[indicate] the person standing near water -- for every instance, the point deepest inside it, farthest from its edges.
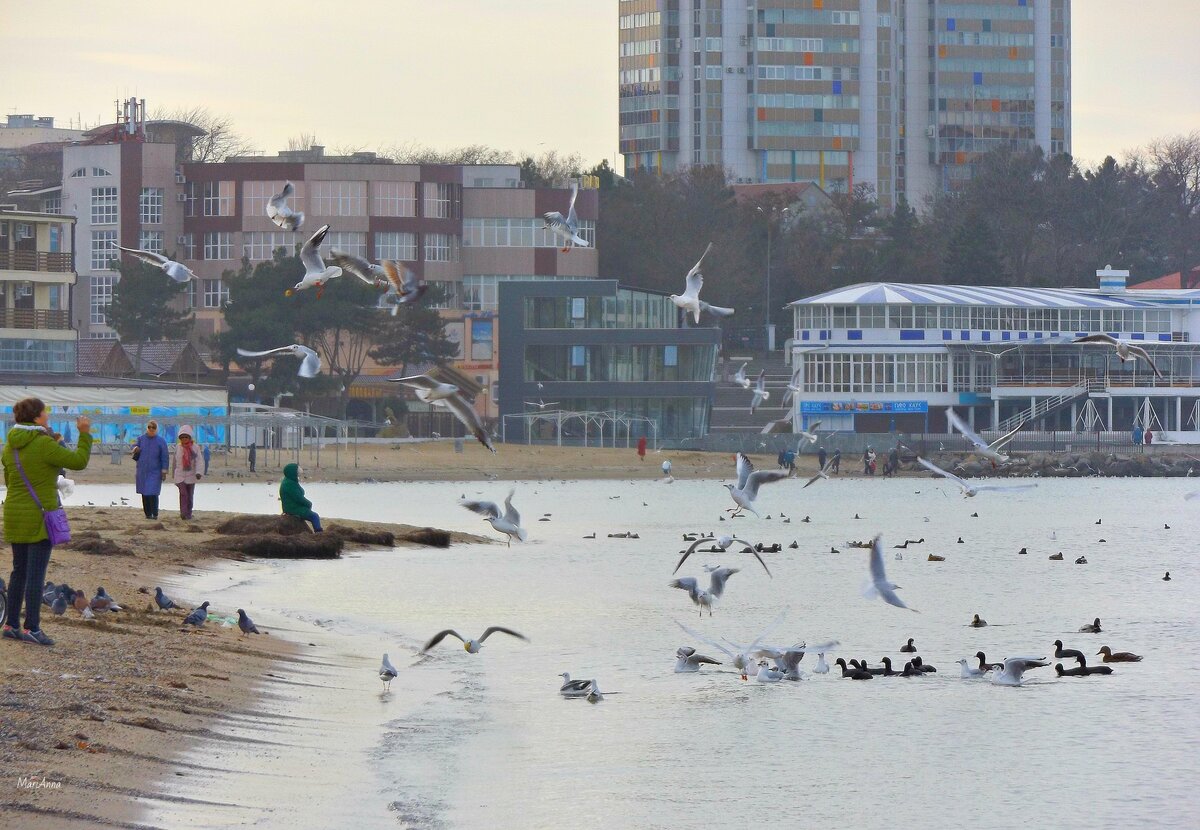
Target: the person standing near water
(153, 460)
(642, 448)
(837, 462)
(32, 459)
(207, 456)
(186, 469)
(252, 455)
(291, 496)
(821, 458)
(1137, 435)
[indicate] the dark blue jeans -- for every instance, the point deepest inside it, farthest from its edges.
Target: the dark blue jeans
(28, 576)
(315, 519)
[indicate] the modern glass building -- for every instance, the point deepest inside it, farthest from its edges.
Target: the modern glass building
(882, 357)
(903, 94)
(592, 345)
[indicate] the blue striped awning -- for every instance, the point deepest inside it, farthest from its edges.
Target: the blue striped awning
(896, 293)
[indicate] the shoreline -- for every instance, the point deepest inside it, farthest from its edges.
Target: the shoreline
(107, 716)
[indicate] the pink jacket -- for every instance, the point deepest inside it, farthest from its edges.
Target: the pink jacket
(179, 474)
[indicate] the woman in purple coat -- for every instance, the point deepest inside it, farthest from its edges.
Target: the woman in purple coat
(153, 460)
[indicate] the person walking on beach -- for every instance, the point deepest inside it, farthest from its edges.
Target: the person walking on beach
(1149, 437)
(207, 456)
(642, 448)
(32, 460)
(291, 495)
(821, 458)
(252, 455)
(185, 468)
(153, 460)
(1137, 435)
(837, 462)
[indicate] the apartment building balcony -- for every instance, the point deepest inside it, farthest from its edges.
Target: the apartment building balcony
(35, 319)
(55, 262)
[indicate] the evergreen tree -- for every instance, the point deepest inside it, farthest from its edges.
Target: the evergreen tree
(144, 307)
(972, 254)
(414, 337)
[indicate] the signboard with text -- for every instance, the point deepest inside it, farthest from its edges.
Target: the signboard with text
(849, 407)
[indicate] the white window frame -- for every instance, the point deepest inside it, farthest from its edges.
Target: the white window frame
(218, 198)
(338, 198)
(106, 206)
(440, 247)
(103, 250)
(150, 205)
(348, 242)
(100, 294)
(394, 198)
(259, 246)
(218, 245)
(216, 293)
(151, 241)
(397, 245)
(437, 200)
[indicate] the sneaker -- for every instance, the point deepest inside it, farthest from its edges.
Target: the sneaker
(38, 637)
(10, 633)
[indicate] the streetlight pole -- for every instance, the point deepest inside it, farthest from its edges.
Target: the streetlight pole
(770, 217)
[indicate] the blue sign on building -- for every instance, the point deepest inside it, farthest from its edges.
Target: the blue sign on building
(850, 407)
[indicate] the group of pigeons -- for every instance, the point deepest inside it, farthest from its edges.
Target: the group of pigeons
(62, 596)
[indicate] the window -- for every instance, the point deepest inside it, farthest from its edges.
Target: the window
(517, 233)
(100, 171)
(218, 245)
(190, 293)
(191, 199)
(78, 173)
(151, 241)
(444, 294)
(218, 198)
(187, 245)
(442, 200)
(216, 293)
(481, 340)
(338, 198)
(349, 242)
(394, 198)
(441, 247)
(260, 247)
(101, 293)
(104, 206)
(150, 206)
(52, 204)
(103, 250)
(396, 245)
(255, 196)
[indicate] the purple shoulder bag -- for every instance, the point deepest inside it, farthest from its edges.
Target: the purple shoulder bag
(57, 529)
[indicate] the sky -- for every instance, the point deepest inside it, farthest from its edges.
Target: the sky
(513, 74)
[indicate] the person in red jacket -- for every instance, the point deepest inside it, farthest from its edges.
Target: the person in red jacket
(642, 448)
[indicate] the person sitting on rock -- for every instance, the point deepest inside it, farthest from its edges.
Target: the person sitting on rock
(291, 494)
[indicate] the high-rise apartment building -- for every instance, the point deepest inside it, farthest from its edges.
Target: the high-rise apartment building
(903, 94)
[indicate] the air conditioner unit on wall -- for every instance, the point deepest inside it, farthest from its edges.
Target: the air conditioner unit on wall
(183, 239)
(179, 178)
(182, 197)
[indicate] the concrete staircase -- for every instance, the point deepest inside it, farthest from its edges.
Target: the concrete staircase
(731, 403)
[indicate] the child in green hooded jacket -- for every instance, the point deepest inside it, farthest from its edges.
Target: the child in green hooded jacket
(291, 494)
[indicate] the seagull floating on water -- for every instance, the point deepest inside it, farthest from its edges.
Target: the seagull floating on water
(687, 660)
(1014, 668)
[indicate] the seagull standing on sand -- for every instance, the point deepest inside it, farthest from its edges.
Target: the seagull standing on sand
(401, 286)
(1014, 668)
(451, 397)
(687, 660)
(1126, 351)
(471, 646)
(749, 480)
(282, 215)
(387, 672)
(566, 227)
(176, 271)
(315, 271)
(690, 300)
(878, 585)
(310, 361)
(989, 451)
(760, 391)
(508, 522)
(970, 490)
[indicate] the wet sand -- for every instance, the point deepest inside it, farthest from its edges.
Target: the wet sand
(105, 718)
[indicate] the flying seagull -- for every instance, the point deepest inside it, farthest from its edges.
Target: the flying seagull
(451, 397)
(700, 597)
(471, 646)
(508, 522)
(760, 391)
(740, 377)
(749, 480)
(1125, 350)
(879, 585)
(401, 285)
(174, 270)
(540, 404)
(428, 389)
(566, 228)
(990, 451)
(315, 271)
(690, 300)
(387, 672)
(968, 489)
(310, 363)
(723, 543)
(809, 435)
(687, 660)
(821, 473)
(1014, 667)
(282, 215)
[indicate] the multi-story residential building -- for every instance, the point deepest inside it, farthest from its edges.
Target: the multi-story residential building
(902, 94)
(36, 275)
(595, 346)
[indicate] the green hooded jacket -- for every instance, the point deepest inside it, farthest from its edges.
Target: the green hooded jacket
(42, 457)
(292, 494)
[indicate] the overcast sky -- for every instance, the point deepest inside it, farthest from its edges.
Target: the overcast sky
(513, 74)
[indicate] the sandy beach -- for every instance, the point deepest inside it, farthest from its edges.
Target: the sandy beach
(104, 716)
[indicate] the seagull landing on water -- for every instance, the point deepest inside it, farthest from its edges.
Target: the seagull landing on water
(724, 543)
(879, 585)
(969, 490)
(740, 377)
(315, 271)
(566, 227)
(743, 658)
(508, 522)
(1126, 351)
(451, 397)
(745, 491)
(701, 598)
(310, 363)
(687, 660)
(689, 301)
(387, 672)
(989, 451)
(471, 646)
(176, 271)
(1014, 668)
(282, 215)
(400, 285)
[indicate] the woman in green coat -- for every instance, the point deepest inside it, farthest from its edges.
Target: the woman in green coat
(41, 456)
(291, 495)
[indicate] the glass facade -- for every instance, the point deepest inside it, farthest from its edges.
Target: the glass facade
(875, 372)
(627, 310)
(619, 363)
(677, 418)
(984, 318)
(37, 355)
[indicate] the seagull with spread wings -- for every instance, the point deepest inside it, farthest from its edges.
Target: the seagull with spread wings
(451, 397)
(723, 543)
(1126, 351)
(566, 227)
(970, 490)
(740, 377)
(990, 451)
(471, 646)
(315, 271)
(878, 585)
(760, 391)
(690, 300)
(745, 492)
(508, 522)
(282, 215)
(401, 286)
(310, 363)
(700, 597)
(175, 270)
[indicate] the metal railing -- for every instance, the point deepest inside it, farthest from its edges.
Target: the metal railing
(1044, 406)
(34, 318)
(55, 261)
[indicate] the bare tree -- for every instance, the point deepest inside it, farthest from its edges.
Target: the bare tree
(414, 153)
(302, 142)
(220, 140)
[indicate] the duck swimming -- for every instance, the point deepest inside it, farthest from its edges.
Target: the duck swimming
(922, 666)
(1078, 671)
(984, 665)
(977, 622)
(855, 673)
(1094, 628)
(1064, 653)
(908, 648)
(1119, 657)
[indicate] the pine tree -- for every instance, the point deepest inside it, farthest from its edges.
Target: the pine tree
(414, 337)
(143, 307)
